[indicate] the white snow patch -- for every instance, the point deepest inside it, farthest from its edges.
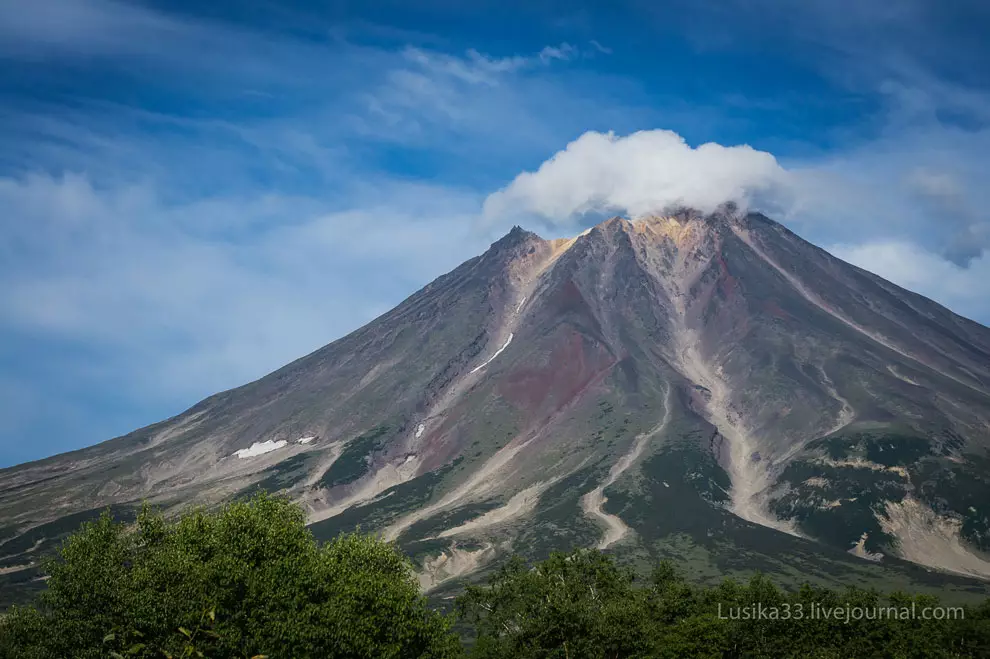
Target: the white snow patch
(306, 440)
(497, 353)
(665, 484)
(419, 430)
(519, 306)
(260, 448)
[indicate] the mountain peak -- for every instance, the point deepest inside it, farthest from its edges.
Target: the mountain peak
(515, 237)
(675, 216)
(677, 228)
(806, 397)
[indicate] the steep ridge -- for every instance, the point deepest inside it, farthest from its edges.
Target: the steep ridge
(552, 393)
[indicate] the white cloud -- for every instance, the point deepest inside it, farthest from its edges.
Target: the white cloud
(149, 258)
(865, 202)
(637, 174)
(158, 258)
(200, 307)
(912, 267)
(936, 184)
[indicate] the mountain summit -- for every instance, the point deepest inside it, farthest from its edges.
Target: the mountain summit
(703, 386)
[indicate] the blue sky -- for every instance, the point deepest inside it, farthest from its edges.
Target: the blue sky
(194, 194)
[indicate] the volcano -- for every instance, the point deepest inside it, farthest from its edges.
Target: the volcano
(704, 387)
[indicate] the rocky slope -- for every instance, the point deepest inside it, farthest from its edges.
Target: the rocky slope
(711, 388)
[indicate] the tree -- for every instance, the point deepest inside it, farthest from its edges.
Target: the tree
(247, 580)
(583, 606)
(572, 605)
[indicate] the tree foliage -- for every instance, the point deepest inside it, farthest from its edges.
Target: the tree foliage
(248, 580)
(581, 605)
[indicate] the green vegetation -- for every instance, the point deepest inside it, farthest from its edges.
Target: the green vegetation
(283, 475)
(837, 502)
(960, 488)
(353, 461)
(813, 484)
(246, 581)
(391, 504)
(249, 580)
(583, 605)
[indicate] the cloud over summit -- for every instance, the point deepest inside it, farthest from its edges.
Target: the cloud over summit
(637, 174)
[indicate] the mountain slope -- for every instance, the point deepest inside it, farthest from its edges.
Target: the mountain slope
(711, 387)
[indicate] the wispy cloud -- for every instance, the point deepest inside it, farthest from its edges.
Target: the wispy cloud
(152, 256)
(85, 27)
(128, 271)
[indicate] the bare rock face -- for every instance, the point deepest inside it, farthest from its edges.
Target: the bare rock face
(706, 387)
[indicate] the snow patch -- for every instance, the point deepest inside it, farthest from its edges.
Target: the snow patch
(260, 448)
(497, 353)
(306, 440)
(419, 430)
